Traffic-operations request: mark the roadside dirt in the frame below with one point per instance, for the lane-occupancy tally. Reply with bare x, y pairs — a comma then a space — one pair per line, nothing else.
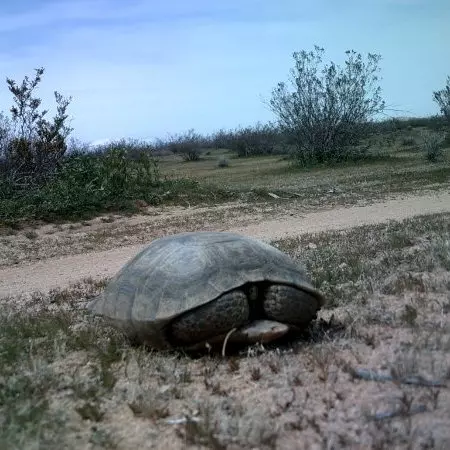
51, 270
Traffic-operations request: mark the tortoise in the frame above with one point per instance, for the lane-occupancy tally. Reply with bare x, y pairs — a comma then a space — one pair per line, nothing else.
189, 290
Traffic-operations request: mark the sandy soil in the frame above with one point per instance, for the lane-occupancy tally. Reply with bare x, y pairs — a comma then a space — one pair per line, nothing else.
55, 272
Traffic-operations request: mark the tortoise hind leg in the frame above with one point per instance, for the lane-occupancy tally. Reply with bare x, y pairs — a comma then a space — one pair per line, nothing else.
207, 321
288, 304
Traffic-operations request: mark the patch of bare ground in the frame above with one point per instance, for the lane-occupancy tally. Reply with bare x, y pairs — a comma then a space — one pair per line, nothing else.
372, 372
113, 231
41, 241
53, 272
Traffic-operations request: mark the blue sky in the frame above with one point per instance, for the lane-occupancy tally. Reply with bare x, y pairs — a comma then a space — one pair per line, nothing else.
143, 69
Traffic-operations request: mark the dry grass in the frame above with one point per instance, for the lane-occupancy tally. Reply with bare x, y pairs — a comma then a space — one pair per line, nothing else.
396, 170
67, 381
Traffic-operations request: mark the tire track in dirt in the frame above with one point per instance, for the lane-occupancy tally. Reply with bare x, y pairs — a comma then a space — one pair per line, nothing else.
60, 272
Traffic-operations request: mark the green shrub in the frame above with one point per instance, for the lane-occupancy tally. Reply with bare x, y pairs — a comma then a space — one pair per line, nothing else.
408, 141
432, 145
188, 145
85, 183
257, 140
222, 162
442, 98
30, 145
325, 108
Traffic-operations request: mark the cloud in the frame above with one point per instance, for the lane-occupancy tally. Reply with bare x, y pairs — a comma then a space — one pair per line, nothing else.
142, 68
103, 11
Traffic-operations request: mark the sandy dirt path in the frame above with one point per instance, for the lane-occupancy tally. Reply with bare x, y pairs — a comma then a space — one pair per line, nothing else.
60, 272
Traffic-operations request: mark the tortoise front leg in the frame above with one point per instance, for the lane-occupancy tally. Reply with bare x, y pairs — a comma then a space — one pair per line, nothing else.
290, 305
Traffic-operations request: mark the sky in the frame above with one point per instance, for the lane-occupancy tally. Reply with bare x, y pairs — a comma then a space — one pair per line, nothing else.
145, 69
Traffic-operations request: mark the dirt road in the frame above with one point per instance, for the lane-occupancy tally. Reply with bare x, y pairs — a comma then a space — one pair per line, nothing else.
60, 272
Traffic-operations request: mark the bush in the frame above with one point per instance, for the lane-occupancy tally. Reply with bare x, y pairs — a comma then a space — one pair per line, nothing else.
257, 140
328, 112
222, 162
133, 148
188, 145
261, 139
408, 141
431, 145
30, 145
221, 139
434, 123
442, 98
43, 177
85, 183
5, 135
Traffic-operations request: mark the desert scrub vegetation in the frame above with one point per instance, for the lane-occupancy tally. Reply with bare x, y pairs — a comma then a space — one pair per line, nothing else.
371, 372
30, 145
442, 98
432, 145
45, 176
42, 176
328, 110
434, 122
117, 179
260, 139
86, 184
223, 162
189, 145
